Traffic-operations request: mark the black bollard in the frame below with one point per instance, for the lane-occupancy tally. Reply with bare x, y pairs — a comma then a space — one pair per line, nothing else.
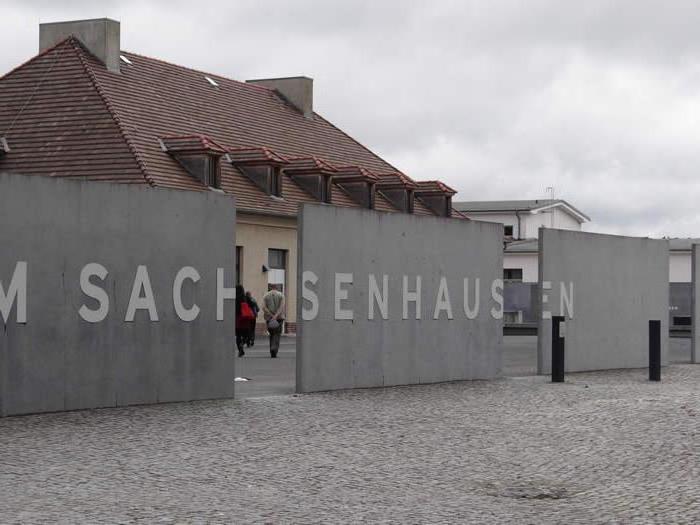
557, 350
654, 350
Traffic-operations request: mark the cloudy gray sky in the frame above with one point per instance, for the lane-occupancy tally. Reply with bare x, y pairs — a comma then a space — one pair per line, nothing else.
500, 99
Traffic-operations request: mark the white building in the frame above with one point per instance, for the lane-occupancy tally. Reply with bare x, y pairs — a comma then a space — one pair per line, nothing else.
679, 259
521, 223
522, 219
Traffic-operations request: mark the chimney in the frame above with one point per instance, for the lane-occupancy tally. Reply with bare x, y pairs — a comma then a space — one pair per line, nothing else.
100, 36
298, 91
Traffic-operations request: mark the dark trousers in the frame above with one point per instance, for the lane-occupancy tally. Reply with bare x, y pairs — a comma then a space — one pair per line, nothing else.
275, 338
241, 339
251, 334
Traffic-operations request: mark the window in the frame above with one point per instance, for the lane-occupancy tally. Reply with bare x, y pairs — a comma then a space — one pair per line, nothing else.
511, 318
326, 191
513, 274
239, 262
276, 182
276, 259
277, 266
268, 179
361, 192
202, 167
508, 230
682, 321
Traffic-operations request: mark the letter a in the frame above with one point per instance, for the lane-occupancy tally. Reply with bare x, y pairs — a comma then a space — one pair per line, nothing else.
137, 302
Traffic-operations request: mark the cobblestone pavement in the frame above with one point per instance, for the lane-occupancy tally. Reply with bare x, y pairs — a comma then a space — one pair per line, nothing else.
603, 447
277, 376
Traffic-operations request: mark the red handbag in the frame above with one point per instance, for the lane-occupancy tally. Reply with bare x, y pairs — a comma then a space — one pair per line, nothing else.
247, 313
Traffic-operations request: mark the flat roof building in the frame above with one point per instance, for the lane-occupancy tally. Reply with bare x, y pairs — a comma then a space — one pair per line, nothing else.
523, 218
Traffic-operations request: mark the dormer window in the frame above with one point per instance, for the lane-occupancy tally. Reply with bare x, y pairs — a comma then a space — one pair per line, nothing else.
267, 178
437, 196
326, 192
262, 166
314, 175
276, 181
198, 155
205, 168
358, 183
399, 190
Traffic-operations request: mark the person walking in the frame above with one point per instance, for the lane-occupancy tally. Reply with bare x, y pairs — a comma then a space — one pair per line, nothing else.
244, 316
273, 311
256, 310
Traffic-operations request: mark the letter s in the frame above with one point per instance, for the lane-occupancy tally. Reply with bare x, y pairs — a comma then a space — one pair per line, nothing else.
95, 292
309, 295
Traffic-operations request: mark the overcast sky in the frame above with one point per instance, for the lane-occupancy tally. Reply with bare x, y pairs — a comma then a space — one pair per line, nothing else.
500, 99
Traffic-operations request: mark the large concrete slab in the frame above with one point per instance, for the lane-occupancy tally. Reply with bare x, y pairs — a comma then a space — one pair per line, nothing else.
609, 288
346, 346
56, 360
695, 307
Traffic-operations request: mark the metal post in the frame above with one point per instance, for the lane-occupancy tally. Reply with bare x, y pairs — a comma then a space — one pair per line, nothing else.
654, 350
557, 350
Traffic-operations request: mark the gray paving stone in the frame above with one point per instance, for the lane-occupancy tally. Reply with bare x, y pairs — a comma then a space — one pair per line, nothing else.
605, 447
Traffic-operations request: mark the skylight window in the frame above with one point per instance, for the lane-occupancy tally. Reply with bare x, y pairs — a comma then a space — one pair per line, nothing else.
212, 81
125, 60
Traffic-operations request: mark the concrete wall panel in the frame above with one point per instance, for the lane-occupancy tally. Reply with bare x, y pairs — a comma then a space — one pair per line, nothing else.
619, 284
335, 354
695, 308
58, 361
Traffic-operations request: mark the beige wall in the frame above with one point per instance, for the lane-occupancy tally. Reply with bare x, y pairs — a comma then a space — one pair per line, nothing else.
256, 234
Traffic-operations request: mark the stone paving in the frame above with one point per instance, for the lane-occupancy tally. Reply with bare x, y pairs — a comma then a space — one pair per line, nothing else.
606, 447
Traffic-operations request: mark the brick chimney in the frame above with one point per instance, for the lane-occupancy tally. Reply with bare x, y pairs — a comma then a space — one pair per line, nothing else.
298, 91
100, 36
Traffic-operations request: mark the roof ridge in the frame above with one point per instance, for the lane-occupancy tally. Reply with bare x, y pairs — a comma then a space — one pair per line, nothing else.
78, 46
206, 73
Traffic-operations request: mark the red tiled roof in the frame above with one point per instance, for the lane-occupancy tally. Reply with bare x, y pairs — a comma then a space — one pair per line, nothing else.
64, 114
191, 144
308, 165
433, 187
456, 214
57, 123
421, 209
395, 179
255, 156
355, 173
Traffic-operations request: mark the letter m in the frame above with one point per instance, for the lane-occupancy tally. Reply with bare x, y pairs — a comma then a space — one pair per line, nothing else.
16, 292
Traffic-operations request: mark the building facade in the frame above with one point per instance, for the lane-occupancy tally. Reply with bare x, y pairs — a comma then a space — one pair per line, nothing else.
84, 109
521, 221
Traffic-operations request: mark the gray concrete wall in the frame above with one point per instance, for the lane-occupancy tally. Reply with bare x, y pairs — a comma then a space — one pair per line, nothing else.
57, 360
619, 284
350, 353
695, 308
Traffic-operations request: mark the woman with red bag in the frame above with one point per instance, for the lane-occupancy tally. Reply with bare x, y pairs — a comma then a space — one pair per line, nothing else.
245, 317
